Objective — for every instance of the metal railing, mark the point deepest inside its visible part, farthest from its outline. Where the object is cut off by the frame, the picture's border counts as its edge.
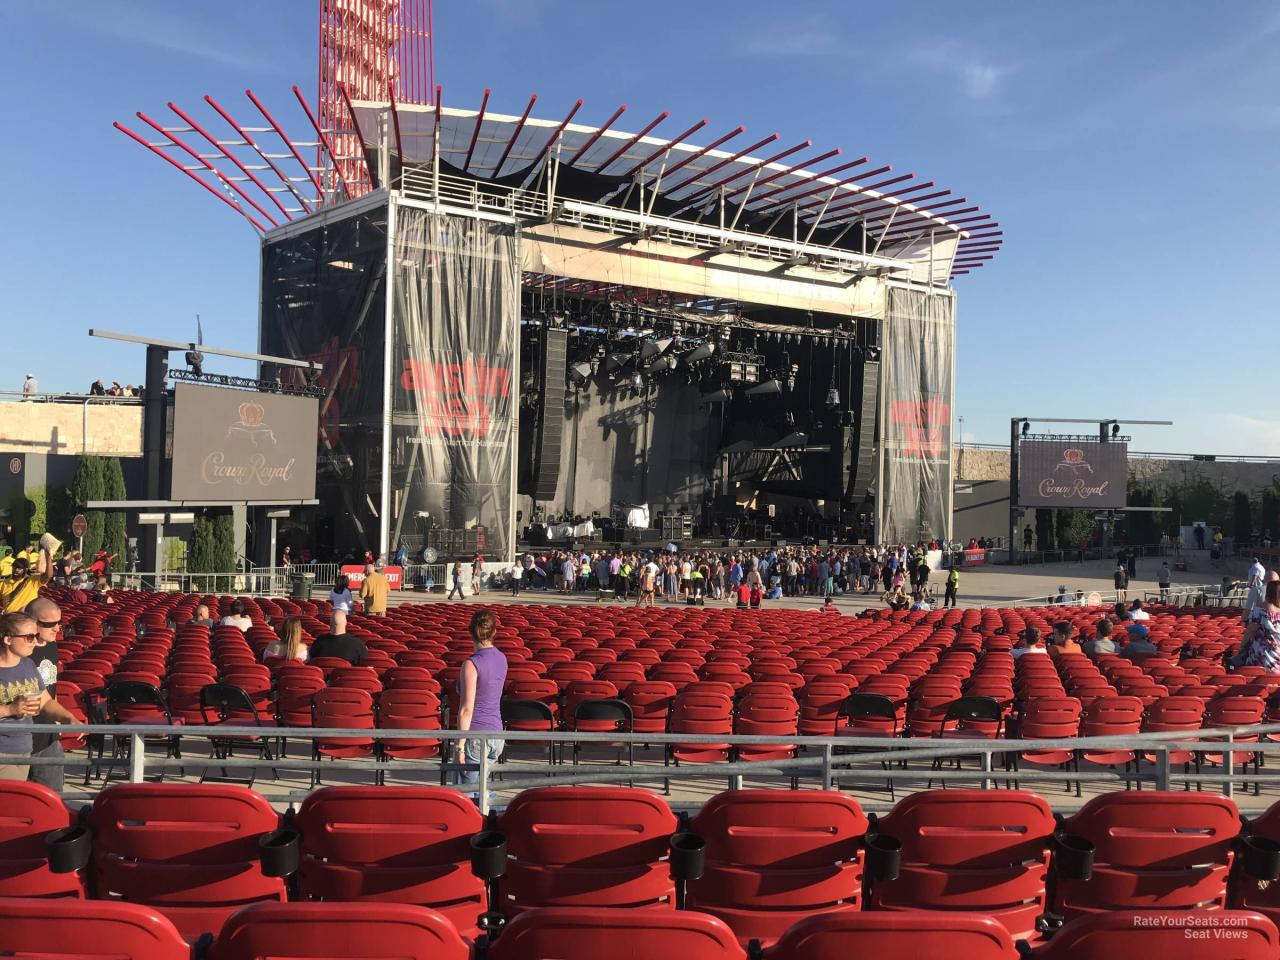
(831, 761)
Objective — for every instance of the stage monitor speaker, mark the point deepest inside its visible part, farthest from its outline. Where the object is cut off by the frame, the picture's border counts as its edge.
(864, 471)
(550, 435)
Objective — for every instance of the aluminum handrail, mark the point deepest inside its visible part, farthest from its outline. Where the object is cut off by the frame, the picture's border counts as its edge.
(830, 758)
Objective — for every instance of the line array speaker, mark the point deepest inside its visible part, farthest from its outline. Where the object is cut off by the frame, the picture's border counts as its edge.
(864, 471)
(550, 435)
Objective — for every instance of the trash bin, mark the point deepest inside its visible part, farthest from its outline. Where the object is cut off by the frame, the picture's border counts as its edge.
(300, 586)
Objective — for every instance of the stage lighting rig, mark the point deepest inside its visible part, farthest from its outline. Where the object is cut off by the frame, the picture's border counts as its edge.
(195, 360)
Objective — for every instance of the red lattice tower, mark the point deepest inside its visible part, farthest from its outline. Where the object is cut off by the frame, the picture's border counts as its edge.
(379, 50)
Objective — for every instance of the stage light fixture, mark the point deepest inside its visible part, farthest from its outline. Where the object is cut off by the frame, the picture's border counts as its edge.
(195, 360)
(616, 361)
(580, 372)
(652, 348)
(702, 351)
(637, 382)
(1115, 430)
(833, 397)
(724, 395)
(768, 388)
(1026, 427)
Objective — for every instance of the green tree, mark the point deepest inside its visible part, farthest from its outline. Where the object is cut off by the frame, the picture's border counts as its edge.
(1271, 511)
(114, 534)
(1075, 527)
(1241, 517)
(90, 484)
(212, 547)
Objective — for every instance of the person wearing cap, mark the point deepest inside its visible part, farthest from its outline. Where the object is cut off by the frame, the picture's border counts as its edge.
(1062, 596)
(24, 584)
(374, 591)
(1032, 644)
(1139, 643)
(30, 388)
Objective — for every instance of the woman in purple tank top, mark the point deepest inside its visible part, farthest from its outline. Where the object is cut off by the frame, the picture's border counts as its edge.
(480, 694)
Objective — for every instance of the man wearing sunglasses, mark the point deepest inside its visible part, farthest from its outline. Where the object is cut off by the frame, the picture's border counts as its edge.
(22, 694)
(48, 617)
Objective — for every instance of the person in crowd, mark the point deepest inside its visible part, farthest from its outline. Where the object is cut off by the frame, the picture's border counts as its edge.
(286, 558)
(338, 643)
(829, 606)
(1164, 577)
(1032, 643)
(1063, 596)
(743, 594)
(1120, 578)
(1138, 645)
(897, 598)
(23, 695)
(1254, 581)
(517, 575)
(455, 579)
(101, 566)
(201, 617)
(1261, 644)
(6, 562)
(648, 584)
(102, 591)
(375, 591)
(96, 389)
(477, 574)
(48, 617)
(919, 602)
(1101, 642)
(237, 617)
(1137, 611)
(30, 388)
(340, 595)
(1064, 639)
(953, 584)
(24, 584)
(290, 645)
(480, 685)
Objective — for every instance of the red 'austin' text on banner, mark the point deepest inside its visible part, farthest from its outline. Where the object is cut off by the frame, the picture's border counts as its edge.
(922, 426)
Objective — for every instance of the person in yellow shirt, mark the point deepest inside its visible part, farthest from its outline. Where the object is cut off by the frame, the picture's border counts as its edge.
(24, 584)
(374, 591)
(6, 562)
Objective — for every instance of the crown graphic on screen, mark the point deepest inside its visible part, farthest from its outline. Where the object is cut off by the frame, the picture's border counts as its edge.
(1073, 455)
(251, 413)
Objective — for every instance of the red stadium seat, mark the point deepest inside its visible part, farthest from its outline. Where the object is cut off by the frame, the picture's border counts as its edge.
(909, 935)
(978, 851)
(28, 812)
(1152, 851)
(189, 851)
(1202, 934)
(586, 846)
(338, 931)
(391, 844)
(577, 933)
(774, 857)
(87, 930)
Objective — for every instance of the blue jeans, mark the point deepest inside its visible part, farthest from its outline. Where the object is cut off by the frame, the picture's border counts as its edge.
(473, 756)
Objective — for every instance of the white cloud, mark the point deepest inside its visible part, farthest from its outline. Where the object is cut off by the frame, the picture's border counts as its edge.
(978, 77)
(808, 36)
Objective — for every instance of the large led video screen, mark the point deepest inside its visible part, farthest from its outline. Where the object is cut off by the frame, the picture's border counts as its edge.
(240, 445)
(1084, 474)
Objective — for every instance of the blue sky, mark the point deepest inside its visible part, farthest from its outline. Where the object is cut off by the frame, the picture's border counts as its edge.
(1128, 151)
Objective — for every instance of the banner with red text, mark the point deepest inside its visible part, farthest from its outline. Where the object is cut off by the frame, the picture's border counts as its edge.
(456, 292)
(354, 573)
(915, 438)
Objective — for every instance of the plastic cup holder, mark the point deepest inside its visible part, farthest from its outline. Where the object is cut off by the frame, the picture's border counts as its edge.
(489, 854)
(1073, 856)
(1261, 858)
(884, 857)
(280, 852)
(688, 856)
(68, 849)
